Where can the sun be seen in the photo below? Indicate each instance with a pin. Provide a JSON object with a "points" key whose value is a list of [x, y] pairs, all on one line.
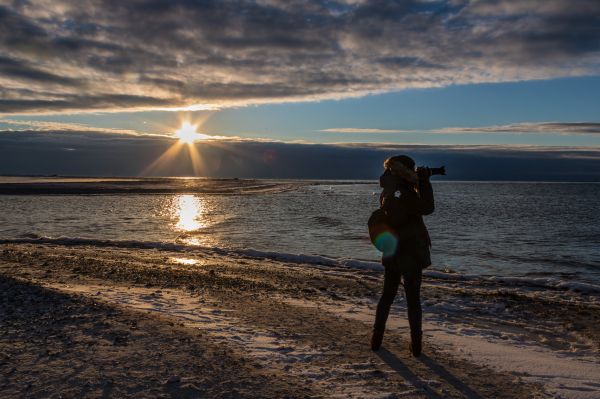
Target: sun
{"points": [[187, 133], [187, 136]]}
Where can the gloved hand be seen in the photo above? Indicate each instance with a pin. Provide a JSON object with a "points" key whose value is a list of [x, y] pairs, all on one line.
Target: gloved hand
{"points": [[423, 172]]}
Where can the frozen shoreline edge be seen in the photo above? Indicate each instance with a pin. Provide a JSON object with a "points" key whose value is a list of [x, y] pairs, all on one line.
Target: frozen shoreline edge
{"points": [[550, 283]]}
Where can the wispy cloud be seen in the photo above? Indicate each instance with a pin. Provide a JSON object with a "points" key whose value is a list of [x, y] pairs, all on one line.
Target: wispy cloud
{"points": [[566, 128], [62, 126], [74, 55], [563, 128], [364, 130], [65, 128]]}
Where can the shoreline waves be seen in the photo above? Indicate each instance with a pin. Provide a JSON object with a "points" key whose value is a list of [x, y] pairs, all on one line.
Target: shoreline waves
{"points": [[546, 232], [591, 292]]}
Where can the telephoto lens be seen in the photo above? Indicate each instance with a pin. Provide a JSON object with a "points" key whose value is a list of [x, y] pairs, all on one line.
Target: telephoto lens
{"points": [[438, 171], [433, 171]]}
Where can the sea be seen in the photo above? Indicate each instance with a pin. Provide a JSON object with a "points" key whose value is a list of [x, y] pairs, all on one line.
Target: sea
{"points": [[526, 230]]}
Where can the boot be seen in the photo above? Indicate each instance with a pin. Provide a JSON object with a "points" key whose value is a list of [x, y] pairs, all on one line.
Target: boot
{"points": [[416, 343], [376, 339]]}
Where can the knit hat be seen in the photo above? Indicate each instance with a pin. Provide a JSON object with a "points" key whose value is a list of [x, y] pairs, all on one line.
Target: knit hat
{"points": [[402, 166]]}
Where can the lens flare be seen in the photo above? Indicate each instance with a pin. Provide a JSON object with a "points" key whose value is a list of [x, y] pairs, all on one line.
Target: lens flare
{"points": [[387, 243]]}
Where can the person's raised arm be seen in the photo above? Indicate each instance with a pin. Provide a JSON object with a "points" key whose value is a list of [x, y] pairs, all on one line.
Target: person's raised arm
{"points": [[425, 203]]}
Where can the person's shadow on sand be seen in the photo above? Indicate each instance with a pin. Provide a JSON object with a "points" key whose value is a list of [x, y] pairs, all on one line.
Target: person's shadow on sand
{"points": [[398, 366]]}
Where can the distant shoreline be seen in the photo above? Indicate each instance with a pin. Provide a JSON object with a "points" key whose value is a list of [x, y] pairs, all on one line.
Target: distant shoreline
{"points": [[85, 178], [91, 186]]}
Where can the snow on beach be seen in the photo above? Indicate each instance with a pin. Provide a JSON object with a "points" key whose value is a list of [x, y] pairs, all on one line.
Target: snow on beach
{"points": [[307, 319]]}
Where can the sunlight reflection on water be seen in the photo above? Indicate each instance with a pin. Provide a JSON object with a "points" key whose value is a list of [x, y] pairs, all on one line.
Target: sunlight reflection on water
{"points": [[189, 212]]}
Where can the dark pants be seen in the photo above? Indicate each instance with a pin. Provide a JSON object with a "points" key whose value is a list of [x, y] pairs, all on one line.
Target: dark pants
{"points": [[412, 289]]}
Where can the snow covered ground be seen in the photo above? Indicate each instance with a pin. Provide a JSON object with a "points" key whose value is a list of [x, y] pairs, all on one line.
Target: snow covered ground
{"points": [[310, 320]]}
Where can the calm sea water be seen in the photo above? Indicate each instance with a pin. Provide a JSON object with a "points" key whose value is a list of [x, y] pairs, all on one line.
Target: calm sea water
{"points": [[506, 229]]}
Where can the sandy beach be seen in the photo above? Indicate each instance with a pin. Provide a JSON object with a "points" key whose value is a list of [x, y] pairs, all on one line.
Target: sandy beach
{"points": [[86, 321]]}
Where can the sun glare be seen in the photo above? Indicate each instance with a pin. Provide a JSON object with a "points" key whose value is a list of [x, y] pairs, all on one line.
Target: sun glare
{"points": [[187, 133], [189, 211]]}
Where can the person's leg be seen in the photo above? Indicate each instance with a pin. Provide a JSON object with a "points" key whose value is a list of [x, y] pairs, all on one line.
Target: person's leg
{"points": [[391, 281], [412, 289]]}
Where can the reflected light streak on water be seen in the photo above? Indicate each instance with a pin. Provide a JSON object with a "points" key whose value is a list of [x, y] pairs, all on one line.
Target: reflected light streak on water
{"points": [[188, 210]]}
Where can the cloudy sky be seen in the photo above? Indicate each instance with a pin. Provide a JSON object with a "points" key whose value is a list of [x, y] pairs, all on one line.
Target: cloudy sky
{"points": [[83, 80]]}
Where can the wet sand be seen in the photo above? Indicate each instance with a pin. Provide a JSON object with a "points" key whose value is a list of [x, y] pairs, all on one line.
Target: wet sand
{"points": [[115, 322]]}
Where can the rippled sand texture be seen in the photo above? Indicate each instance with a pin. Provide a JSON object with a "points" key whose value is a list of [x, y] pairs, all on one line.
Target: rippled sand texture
{"points": [[144, 323]]}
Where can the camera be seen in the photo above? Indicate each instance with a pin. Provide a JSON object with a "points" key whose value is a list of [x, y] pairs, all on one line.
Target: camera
{"points": [[431, 171]]}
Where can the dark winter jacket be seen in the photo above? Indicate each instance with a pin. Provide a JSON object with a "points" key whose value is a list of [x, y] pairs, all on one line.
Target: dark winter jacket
{"points": [[405, 216]]}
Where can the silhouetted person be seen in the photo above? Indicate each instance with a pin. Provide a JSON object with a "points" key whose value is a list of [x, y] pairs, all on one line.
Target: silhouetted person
{"points": [[411, 255]]}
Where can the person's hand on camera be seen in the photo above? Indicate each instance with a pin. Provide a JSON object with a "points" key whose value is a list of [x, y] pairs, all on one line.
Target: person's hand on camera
{"points": [[424, 173]]}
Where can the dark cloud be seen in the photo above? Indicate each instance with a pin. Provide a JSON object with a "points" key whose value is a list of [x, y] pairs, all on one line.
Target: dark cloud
{"points": [[88, 153], [82, 101], [19, 70], [183, 52], [407, 62]]}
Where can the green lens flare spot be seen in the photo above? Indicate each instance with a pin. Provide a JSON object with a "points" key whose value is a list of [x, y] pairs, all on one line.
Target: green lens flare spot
{"points": [[386, 243]]}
